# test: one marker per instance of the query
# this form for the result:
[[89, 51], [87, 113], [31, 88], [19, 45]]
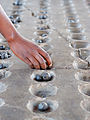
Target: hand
[[30, 53]]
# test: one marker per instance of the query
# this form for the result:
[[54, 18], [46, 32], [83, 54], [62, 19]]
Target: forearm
[[7, 29]]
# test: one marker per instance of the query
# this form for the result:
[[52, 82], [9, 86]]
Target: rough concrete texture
[[17, 95]]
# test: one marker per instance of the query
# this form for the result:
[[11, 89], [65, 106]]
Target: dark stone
[[42, 17], [46, 76], [38, 77], [2, 47], [43, 106], [17, 3], [4, 55]]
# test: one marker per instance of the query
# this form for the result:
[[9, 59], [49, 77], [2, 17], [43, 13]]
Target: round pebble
[[43, 106], [45, 76], [38, 77]]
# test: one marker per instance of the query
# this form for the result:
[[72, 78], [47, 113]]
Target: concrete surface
[[68, 97]]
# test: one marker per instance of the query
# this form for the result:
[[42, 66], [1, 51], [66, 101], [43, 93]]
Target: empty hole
[[72, 18], [72, 24], [81, 53], [77, 36], [2, 102], [5, 55], [41, 118], [79, 44], [85, 105], [43, 76], [84, 89], [3, 87], [80, 64], [83, 76], [4, 74], [43, 90], [44, 106], [75, 30]]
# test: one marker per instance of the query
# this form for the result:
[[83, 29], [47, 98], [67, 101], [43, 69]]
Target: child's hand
[[30, 53]]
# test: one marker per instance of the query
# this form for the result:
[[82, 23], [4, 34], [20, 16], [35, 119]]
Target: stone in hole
[[17, 3], [4, 65], [43, 27], [85, 105], [4, 47], [43, 77], [79, 44], [43, 17], [43, 90], [4, 74], [16, 20], [5, 55], [77, 36], [42, 40], [3, 87], [43, 106], [84, 89]]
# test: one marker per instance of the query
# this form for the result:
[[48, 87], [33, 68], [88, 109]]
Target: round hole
[[44, 106], [75, 30], [43, 16], [80, 64], [4, 64], [77, 25], [41, 40], [41, 32], [45, 27], [81, 53], [4, 74], [17, 3], [77, 36], [84, 90], [79, 44], [83, 76], [5, 55], [4, 47], [85, 105], [43, 90], [43, 76]]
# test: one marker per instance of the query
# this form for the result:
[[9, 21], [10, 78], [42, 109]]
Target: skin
[[24, 49]]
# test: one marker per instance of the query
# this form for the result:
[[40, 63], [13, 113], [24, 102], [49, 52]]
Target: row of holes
[[41, 89], [80, 51]]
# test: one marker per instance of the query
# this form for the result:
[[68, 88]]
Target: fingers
[[34, 62], [46, 56], [40, 60], [29, 62]]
